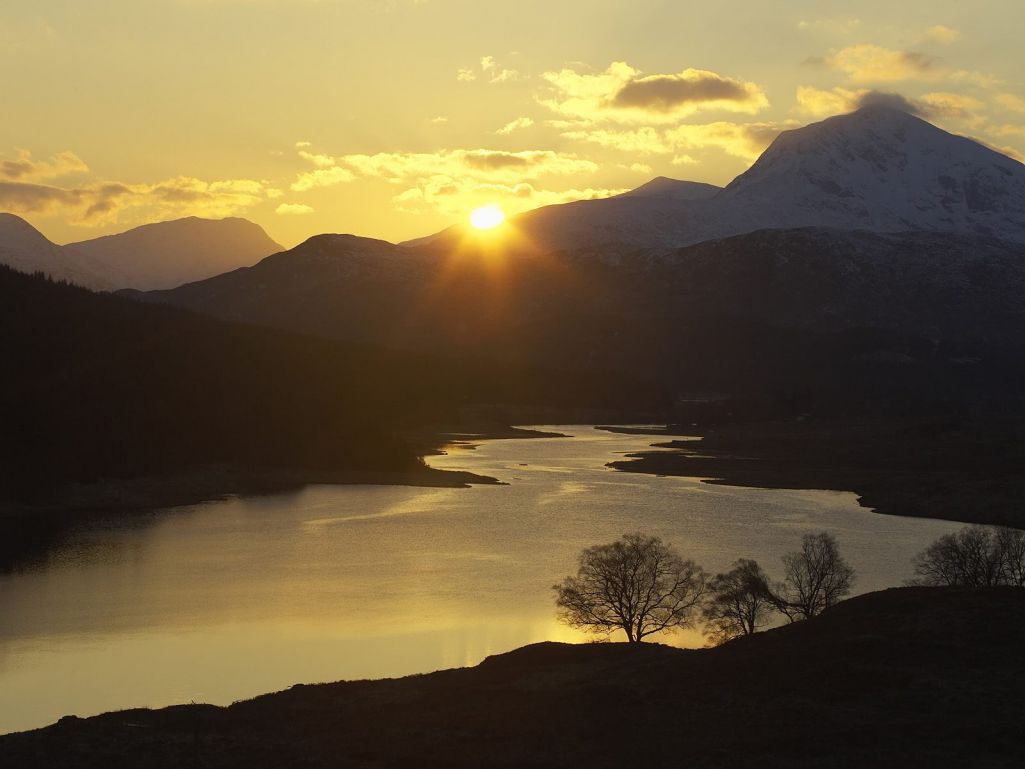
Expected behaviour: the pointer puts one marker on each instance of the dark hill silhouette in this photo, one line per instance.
(100, 387)
(769, 309)
(905, 678)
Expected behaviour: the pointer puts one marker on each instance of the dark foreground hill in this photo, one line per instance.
(98, 387)
(905, 678)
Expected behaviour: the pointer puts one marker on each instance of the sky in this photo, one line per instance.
(396, 118)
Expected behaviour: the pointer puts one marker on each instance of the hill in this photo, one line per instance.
(905, 678)
(26, 249)
(167, 254)
(778, 309)
(100, 388)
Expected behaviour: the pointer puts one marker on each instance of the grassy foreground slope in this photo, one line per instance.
(908, 677)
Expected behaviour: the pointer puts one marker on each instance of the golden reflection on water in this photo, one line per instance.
(227, 600)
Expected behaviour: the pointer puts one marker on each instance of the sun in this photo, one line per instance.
(486, 217)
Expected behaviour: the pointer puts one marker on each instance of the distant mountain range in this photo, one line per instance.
(869, 240)
(867, 245)
(153, 256)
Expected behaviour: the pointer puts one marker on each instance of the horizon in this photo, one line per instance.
(457, 106)
(870, 100)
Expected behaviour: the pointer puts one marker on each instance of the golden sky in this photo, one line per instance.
(395, 118)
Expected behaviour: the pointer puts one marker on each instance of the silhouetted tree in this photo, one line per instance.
(637, 584)
(739, 601)
(1011, 543)
(816, 577)
(975, 556)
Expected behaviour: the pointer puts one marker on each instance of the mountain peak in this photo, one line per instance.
(879, 169)
(677, 189)
(17, 232)
(168, 254)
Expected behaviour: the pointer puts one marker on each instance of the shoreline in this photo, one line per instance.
(207, 484)
(891, 472)
(29, 530)
(516, 705)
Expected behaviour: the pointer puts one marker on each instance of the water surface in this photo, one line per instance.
(225, 600)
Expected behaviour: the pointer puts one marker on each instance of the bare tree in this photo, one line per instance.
(975, 556)
(638, 584)
(816, 577)
(1011, 544)
(739, 602)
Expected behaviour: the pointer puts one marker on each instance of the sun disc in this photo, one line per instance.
(486, 217)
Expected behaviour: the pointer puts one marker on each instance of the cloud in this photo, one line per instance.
(622, 94)
(1008, 130)
(667, 93)
(820, 103)
(743, 140)
(320, 161)
(453, 181)
(646, 140)
(482, 164)
(938, 104)
(953, 105)
(24, 167)
(488, 68)
(506, 76)
(105, 201)
(1011, 102)
(868, 63)
(439, 119)
(293, 209)
(889, 100)
(835, 26)
(865, 63)
(327, 176)
(942, 35)
(515, 125)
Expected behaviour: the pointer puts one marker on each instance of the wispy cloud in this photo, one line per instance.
(942, 35)
(487, 69)
(742, 140)
(515, 125)
(293, 209)
(326, 176)
(24, 167)
(869, 63)
(100, 202)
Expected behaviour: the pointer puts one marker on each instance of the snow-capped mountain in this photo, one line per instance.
(26, 249)
(881, 170)
(877, 170)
